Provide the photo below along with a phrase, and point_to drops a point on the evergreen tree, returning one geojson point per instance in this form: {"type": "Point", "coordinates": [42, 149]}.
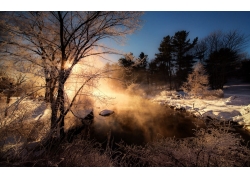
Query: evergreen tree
{"type": "Point", "coordinates": [220, 66]}
{"type": "Point", "coordinates": [134, 69]}
{"type": "Point", "coordinates": [182, 53]}
{"type": "Point", "coordinates": [164, 59]}
{"type": "Point", "coordinates": [245, 70]}
{"type": "Point", "coordinates": [127, 63]}
{"type": "Point", "coordinates": [127, 60]}
{"type": "Point", "coordinates": [142, 61]}
{"type": "Point", "coordinates": [197, 81]}
{"type": "Point", "coordinates": [140, 68]}
{"type": "Point", "coordinates": [152, 71]}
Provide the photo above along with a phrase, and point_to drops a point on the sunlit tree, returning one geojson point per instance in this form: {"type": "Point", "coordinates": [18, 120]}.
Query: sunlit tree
{"type": "Point", "coordinates": [57, 41]}
{"type": "Point", "coordinates": [197, 82]}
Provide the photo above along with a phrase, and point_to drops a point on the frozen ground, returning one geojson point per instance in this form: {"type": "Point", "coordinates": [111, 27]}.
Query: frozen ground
{"type": "Point", "coordinates": [235, 105]}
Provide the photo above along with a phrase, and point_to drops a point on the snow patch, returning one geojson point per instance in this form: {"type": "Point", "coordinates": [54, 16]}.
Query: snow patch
{"type": "Point", "coordinates": [237, 100]}
{"type": "Point", "coordinates": [106, 112]}
{"type": "Point", "coordinates": [234, 106]}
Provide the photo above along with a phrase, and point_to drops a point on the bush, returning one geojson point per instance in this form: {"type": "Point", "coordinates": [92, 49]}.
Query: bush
{"type": "Point", "coordinates": [84, 153]}
{"type": "Point", "coordinates": [24, 124]}
{"type": "Point", "coordinates": [213, 93]}
{"type": "Point", "coordinates": [197, 81]}
{"type": "Point", "coordinates": [210, 147]}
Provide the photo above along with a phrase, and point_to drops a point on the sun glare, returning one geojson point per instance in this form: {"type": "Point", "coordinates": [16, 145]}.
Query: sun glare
{"type": "Point", "coordinates": [89, 67]}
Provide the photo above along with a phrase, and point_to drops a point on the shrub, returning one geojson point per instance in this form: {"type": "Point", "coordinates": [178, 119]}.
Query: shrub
{"type": "Point", "coordinates": [213, 93]}
{"type": "Point", "coordinates": [197, 81]}
{"type": "Point", "coordinates": [210, 147]}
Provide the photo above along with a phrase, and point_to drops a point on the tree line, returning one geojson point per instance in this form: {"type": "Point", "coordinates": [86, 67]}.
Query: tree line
{"type": "Point", "coordinates": [222, 55]}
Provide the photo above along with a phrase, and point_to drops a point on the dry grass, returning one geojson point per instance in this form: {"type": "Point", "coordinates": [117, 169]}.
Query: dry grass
{"type": "Point", "coordinates": [21, 144]}
{"type": "Point", "coordinates": [210, 148]}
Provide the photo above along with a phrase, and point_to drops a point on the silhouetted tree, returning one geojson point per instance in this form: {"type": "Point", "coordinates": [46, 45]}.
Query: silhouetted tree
{"type": "Point", "coordinates": [213, 51]}
{"type": "Point", "coordinates": [183, 57]}
{"type": "Point", "coordinates": [128, 75]}
{"type": "Point", "coordinates": [175, 58]}
{"type": "Point", "coordinates": [233, 40]}
{"type": "Point", "coordinates": [220, 66]}
{"type": "Point", "coordinates": [143, 63]}
{"type": "Point", "coordinates": [200, 50]}
{"type": "Point", "coordinates": [165, 60]}
{"type": "Point", "coordinates": [152, 71]}
{"type": "Point", "coordinates": [140, 68]}
{"type": "Point", "coordinates": [127, 60]}
{"type": "Point", "coordinates": [245, 70]}
{"type": "Point", "coordinates": [134, 69]}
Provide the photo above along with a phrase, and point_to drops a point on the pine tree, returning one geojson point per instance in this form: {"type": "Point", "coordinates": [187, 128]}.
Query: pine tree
{"type": "Point", "coordinates": [220, 66]}
{"type": "Point", "coordinates": [197, 81]}
{"type": "Point", "coordinates": [164, 59]}
{"type": "Point", "coordinates": [184, 59]}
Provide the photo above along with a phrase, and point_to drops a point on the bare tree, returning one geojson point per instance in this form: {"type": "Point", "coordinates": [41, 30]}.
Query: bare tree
{"type": "Point", "coordinates": [57, 41]}
{"type": "Point", "coordinates": [234, 40]}
{"type": "Point", "coordinates": [32, 42]}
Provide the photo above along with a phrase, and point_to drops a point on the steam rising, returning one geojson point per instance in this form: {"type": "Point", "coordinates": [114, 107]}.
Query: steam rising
{"type": "Point", "coordinates": [136, 120]}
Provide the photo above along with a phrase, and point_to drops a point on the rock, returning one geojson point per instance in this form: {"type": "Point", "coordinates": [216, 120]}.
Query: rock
{"type": "Point", "coordinates": [180, 108]}
{"type": "Point", "coordinates": [106, 112]}
{"type": "Point", "coordinates": [86, 116]}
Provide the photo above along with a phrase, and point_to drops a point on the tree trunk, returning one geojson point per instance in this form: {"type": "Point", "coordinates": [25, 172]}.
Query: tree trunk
{"type": "Point", "coordinates": [47, 89]}
{"type": "Point", "coordinates": [50, 84]}
{"type": "Point", "coordinates": [58, 109]}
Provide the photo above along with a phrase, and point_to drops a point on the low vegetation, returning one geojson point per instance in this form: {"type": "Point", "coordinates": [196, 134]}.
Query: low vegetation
{"type": "Point", "coordinates": [23, 144]}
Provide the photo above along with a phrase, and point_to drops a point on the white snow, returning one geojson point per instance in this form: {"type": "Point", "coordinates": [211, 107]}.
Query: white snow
{"type": "Point", "coordinates": [106, 112]}
{"type": "Point", "coordinates": [41, 112]}
{"type": "Point", "coordinates": [235, 105]}
{"type": "Point", "coordinates": [31, 109]}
